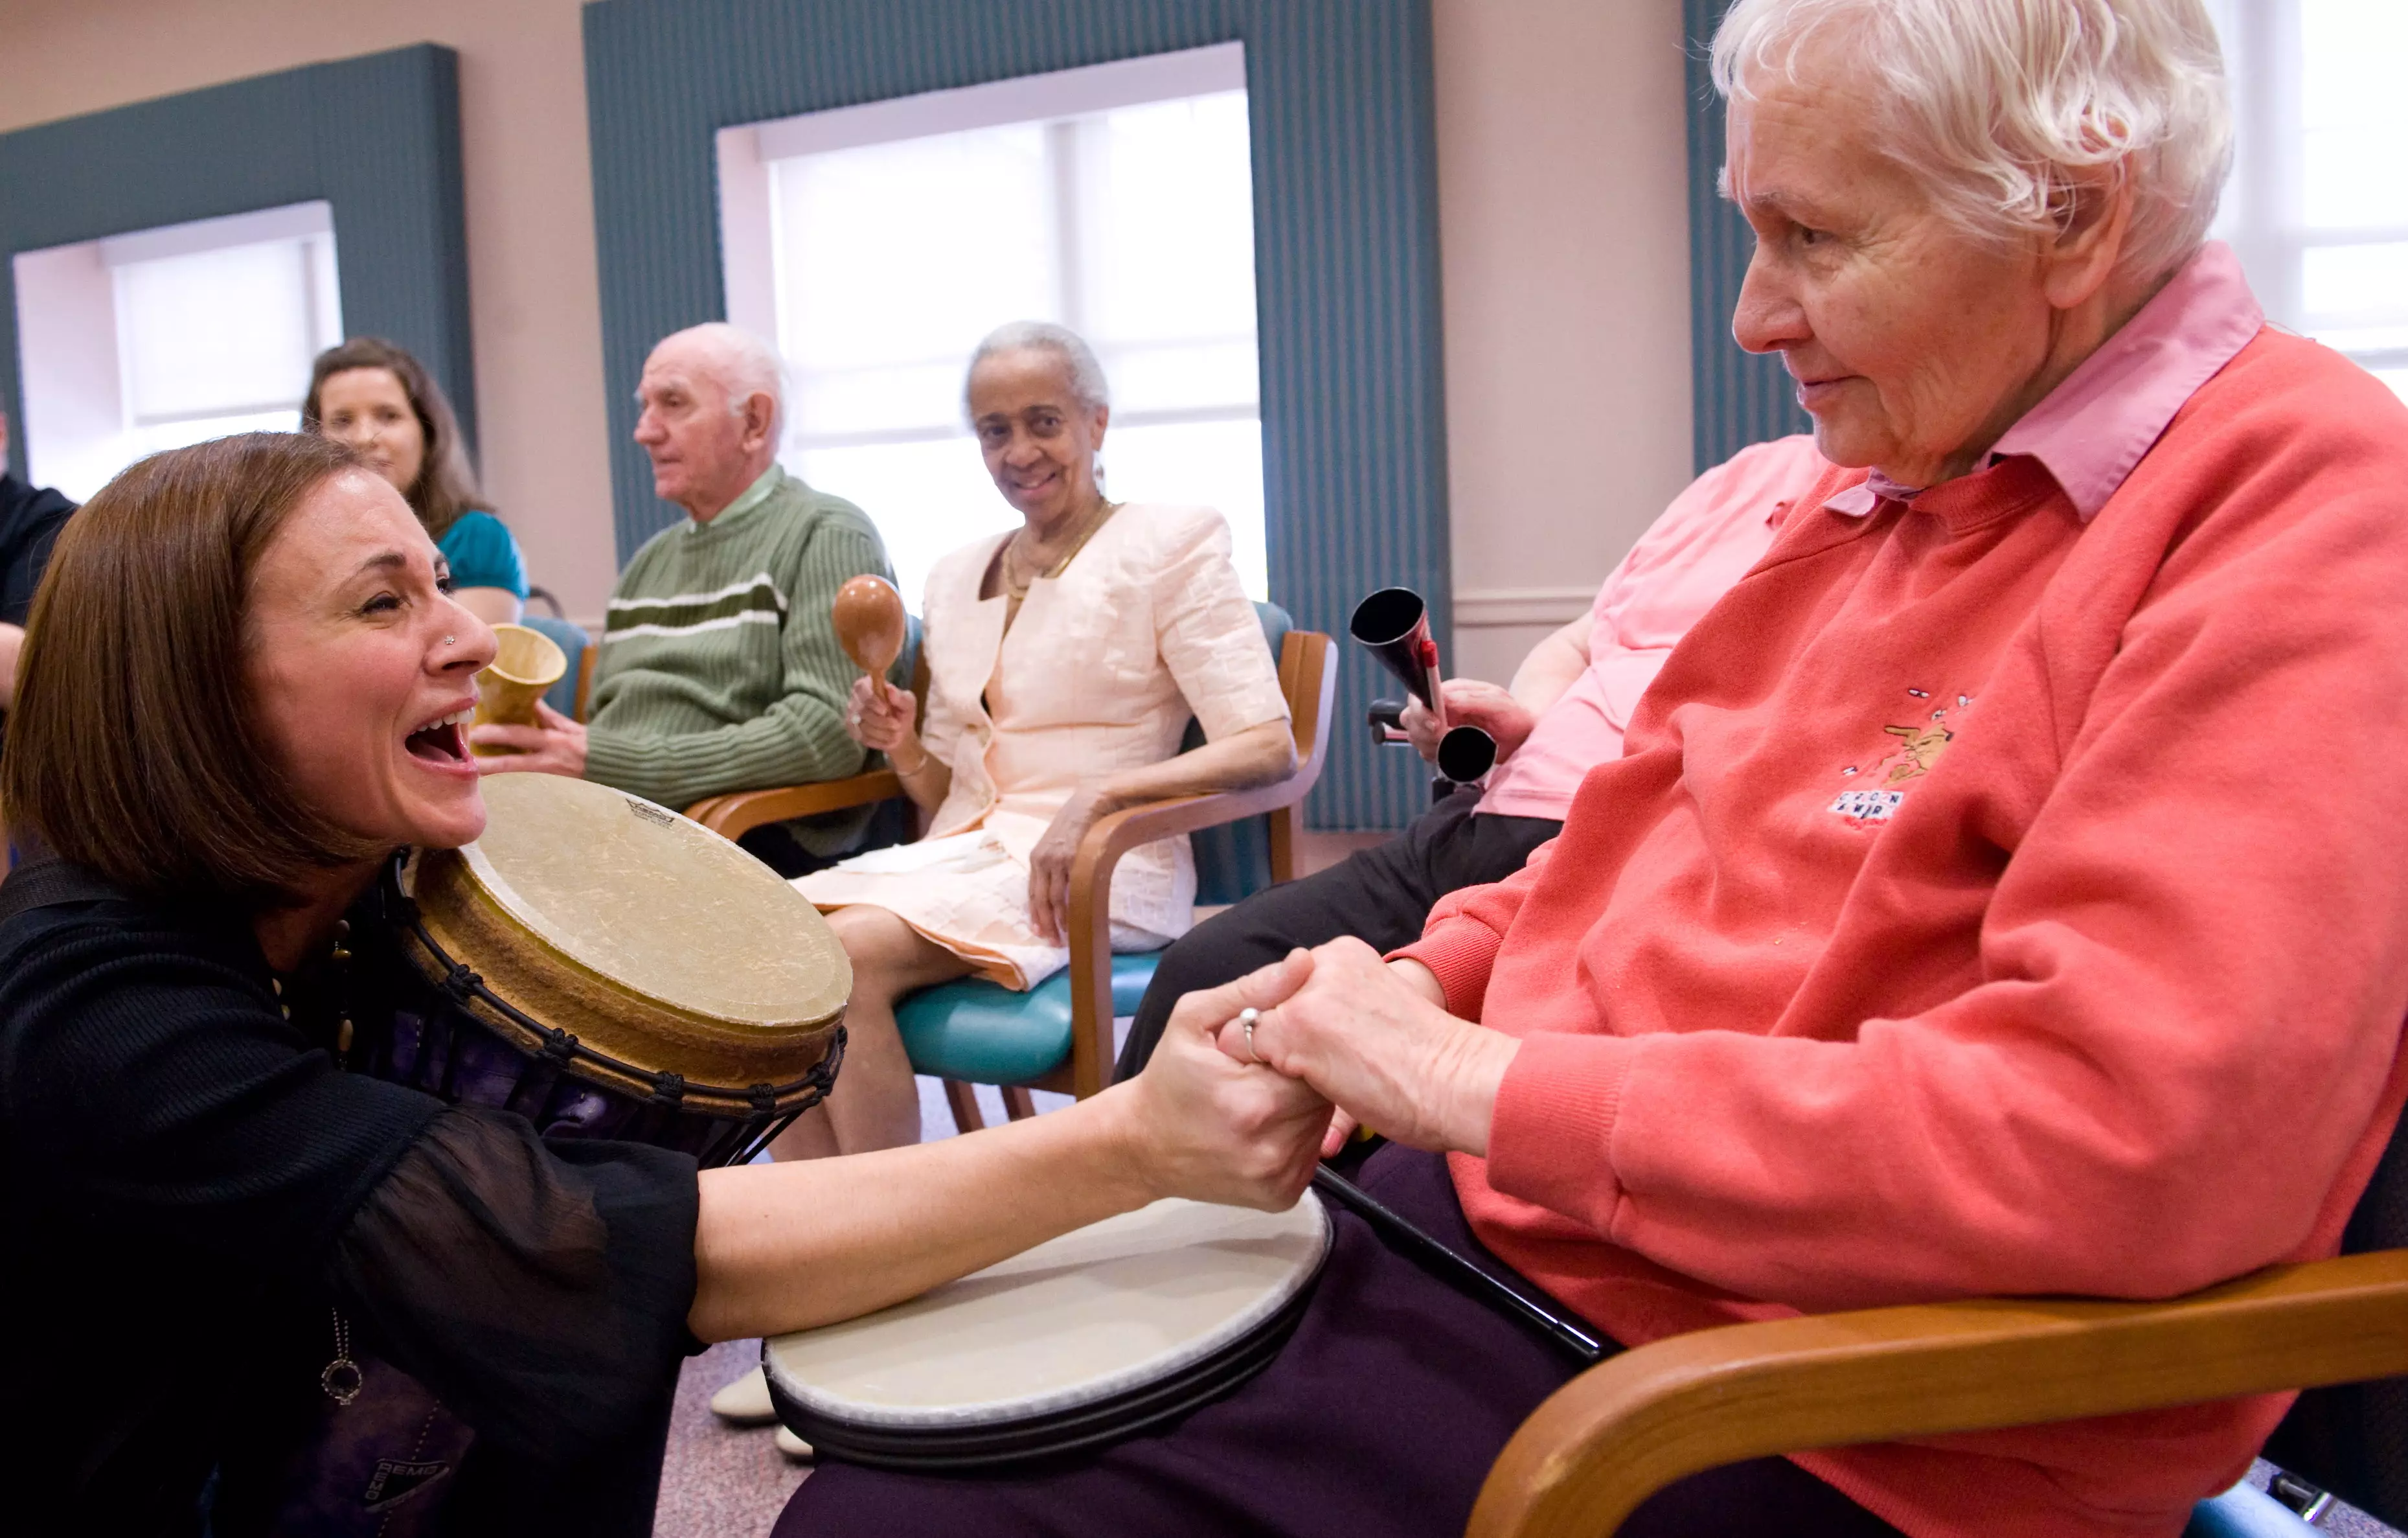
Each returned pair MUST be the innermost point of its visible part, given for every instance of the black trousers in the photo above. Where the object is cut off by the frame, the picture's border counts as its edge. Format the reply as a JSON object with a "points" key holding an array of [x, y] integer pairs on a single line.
{"points": [[1379, 1416], [1381, 895]]}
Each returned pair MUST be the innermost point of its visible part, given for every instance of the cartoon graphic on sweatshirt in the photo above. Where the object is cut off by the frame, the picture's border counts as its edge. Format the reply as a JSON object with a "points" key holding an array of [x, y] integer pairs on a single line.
{"points": [[1917, 751]]}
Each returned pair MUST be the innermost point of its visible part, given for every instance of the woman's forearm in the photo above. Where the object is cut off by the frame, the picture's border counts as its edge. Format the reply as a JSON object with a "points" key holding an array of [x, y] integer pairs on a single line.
{"points": [[1553, 665], [1259, 756], [928, 779], [493, 604], [787, 1247]]}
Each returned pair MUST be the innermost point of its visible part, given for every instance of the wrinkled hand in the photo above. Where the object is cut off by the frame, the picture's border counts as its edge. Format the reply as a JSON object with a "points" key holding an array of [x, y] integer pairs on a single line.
{"points": [[878, 715], [1050, 862], [1471, 703], [1368, 1036], [555, 745], [1214, 1129]]}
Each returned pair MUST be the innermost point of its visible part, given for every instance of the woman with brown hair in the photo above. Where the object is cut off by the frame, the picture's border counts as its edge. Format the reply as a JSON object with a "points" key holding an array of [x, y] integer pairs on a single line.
{"points": [[381, 400], [245, 689]]}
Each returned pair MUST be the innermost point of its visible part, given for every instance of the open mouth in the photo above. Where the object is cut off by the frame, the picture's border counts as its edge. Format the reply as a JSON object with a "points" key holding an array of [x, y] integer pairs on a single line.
{"points": [[443, 740]]}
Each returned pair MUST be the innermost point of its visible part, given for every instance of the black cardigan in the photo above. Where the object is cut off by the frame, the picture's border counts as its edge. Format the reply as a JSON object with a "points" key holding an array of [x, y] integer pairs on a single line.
{"points": [[190, 1185]]}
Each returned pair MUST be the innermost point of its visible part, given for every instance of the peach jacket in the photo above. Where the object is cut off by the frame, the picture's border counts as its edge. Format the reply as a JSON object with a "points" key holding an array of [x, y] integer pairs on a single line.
{"points": [[1100, 672]]}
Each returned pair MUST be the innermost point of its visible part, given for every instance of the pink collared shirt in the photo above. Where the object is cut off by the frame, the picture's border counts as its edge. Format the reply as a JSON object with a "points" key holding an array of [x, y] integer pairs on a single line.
{"points": [[1706, 540], [2092, 429]]}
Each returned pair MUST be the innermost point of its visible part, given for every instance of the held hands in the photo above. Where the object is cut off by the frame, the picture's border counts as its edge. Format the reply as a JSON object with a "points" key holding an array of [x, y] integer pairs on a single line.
{"points": [[1373, 1037], [1211, 1129], [555, 745], [1471, 703], [880, 716]]}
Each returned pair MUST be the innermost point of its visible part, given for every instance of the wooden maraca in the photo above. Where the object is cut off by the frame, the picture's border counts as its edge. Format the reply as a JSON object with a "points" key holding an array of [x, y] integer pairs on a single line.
{"points": [[870, 623]]}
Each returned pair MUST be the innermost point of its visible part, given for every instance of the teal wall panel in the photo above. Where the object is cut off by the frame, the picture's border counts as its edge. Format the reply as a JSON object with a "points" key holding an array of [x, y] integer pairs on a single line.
{"points": [[1346, 241], [377, 136], [1740, 399]]}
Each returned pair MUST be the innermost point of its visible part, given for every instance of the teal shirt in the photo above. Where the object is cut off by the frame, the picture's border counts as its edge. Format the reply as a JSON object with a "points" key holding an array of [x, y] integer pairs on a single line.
{"points": [[483, 555]]}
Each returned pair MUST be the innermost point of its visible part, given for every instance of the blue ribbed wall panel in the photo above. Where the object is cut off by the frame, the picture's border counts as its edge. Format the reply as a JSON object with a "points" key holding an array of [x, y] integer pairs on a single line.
{"points": [[378, 138], [1346, 241], [1739, 397]]}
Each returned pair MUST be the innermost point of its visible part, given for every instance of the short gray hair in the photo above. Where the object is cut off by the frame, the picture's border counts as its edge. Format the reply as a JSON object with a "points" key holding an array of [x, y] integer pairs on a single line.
{"points": [[2000, 105], [745, 366], [1087, 383]]}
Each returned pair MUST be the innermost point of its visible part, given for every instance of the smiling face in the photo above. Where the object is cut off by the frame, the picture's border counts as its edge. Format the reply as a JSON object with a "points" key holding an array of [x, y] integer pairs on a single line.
{"points": [[1039, 441], [1914, 344], [369, 409], [360, 696]]}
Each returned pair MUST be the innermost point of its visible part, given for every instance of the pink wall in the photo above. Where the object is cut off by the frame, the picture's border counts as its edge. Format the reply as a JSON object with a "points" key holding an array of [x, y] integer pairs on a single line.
{"points": [[1564, 230], [1560, 154]]}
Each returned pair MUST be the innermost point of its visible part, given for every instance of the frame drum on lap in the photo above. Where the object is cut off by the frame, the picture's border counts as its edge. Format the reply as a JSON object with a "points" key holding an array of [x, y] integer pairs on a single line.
{"points": [[618, 971], [1082, 1340]]}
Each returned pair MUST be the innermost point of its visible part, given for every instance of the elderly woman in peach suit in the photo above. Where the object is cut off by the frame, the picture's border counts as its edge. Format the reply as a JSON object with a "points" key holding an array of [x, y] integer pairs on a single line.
{"points": [[1064, 660]]}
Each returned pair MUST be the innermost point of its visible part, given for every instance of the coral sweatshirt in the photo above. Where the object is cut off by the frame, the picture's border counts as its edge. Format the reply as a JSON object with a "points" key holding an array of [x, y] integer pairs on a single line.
{"points": [[1989, 900]]}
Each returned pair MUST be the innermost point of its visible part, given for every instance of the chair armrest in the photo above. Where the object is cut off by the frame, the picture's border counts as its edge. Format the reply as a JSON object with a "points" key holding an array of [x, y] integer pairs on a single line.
{"points": [[1307, 668], [1630, 1425], [733, 815]]}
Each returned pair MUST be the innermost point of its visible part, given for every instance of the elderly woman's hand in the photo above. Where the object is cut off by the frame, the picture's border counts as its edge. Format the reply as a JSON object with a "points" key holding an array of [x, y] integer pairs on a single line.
{"points": [[1471, 703], [1373, 1037], [878, 715], [1214, 1129], [1056, 852], [555, 745]]}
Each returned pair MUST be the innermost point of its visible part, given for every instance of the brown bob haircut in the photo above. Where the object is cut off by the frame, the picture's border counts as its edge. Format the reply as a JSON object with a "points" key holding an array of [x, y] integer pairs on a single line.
{"points": [[446, 486], [129, 751]]}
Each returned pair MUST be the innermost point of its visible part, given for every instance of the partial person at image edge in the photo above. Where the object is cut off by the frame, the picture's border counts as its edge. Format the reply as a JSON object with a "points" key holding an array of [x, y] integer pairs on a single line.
{"points": [[30, 520]]}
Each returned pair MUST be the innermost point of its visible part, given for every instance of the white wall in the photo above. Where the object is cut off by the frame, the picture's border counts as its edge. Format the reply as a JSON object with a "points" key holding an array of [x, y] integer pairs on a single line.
{"points": [[1561, 148]]}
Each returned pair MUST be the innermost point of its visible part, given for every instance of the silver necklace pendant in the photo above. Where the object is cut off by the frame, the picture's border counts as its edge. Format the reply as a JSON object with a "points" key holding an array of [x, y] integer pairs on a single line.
{"points": [[342, 1379]]}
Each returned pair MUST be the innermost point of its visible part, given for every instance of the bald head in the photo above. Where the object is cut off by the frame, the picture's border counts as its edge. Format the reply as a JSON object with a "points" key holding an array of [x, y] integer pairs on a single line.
{"points": [[713, 405]]}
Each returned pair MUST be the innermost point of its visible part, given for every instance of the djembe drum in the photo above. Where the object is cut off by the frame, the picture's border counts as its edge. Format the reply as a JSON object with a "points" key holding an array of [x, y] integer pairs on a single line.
{"points": [[606, 968], [1082, 1340]]}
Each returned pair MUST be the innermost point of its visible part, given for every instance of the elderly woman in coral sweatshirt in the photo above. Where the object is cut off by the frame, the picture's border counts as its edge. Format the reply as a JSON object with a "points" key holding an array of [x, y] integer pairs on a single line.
{"points": [[1999, 890]]}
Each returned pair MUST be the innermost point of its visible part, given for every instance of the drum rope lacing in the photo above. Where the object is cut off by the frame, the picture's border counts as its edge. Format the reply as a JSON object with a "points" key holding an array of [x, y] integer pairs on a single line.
{"points": [[463, 984]]}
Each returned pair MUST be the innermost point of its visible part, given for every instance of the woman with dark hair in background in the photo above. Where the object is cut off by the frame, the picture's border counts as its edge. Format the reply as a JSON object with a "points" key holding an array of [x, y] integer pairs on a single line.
{"points": [[382, 401]]}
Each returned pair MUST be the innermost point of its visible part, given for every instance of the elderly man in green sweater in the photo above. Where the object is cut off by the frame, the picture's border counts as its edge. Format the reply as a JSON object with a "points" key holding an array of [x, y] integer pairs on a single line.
{"points": [[719, 669]]}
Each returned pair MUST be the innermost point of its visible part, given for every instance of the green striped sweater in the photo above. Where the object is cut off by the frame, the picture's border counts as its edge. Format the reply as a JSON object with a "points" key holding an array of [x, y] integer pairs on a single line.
{"points": [[719, 669]]}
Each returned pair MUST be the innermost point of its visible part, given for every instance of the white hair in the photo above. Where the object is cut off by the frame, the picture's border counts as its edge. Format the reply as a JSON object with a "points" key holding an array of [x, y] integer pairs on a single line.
{"points": [[1087, 383], [2001, 106], [744, 365]]}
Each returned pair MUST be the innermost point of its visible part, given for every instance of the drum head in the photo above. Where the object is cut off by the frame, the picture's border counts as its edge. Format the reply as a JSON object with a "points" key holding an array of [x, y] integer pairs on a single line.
{"points": [[650, 937], [1081, 1340]]}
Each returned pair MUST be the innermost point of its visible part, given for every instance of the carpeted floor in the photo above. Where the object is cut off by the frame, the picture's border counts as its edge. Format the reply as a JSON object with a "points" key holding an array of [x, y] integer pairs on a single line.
{"points": [[718, 1482], [723, 1483]]}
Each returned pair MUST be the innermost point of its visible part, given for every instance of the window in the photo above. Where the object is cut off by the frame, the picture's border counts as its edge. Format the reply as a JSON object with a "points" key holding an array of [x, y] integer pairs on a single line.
{"points": [[2318, 206], [167, 337], [877, 244]]}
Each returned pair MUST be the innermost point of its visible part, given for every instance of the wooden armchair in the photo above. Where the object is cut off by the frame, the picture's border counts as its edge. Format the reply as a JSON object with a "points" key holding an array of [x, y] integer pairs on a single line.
{"points": [[1631, 1425], [971, 1031]]}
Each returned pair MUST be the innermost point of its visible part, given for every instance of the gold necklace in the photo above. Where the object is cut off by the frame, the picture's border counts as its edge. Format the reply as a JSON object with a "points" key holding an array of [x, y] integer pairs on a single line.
{"points": [[1017, 588]]}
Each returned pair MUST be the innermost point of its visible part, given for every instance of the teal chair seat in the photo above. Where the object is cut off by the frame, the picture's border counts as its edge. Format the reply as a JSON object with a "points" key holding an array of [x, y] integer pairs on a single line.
{"points": [[977, 1032], [2245, 1512], [973, 1032]]}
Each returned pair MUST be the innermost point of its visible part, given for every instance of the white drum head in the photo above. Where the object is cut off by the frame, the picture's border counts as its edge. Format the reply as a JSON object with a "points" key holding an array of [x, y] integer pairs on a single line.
{"points": [[1100, 1314]]}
